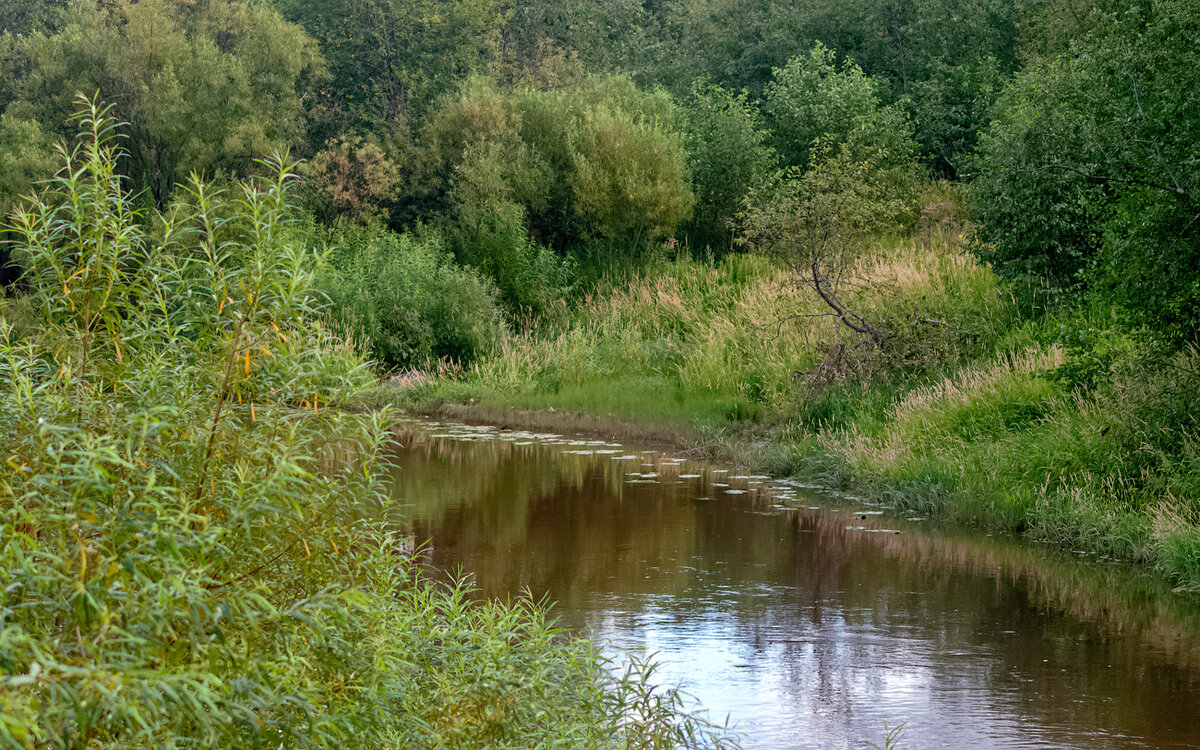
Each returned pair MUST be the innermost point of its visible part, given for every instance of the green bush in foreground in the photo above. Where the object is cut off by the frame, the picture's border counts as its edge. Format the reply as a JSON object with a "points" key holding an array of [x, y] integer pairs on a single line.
{"points": [[183, 551]]}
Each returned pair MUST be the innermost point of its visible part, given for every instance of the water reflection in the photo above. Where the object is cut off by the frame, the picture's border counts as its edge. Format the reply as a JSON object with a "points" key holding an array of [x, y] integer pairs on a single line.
{"points": [[810, 622]]}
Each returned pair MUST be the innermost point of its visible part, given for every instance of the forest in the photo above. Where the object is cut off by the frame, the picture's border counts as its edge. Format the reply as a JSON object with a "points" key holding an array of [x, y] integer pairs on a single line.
{"points": [[947, 253]]}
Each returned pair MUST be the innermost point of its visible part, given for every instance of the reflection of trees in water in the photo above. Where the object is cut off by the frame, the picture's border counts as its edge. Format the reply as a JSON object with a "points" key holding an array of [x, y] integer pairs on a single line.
{"points": [[496, 495], [840, 614], [530, 515]]}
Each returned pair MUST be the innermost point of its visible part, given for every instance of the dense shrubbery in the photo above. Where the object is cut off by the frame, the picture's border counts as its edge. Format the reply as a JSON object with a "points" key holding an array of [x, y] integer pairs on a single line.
{"points": [[188, 556], [600, 162], [725, 140], [403, 294], [1087, 179]]}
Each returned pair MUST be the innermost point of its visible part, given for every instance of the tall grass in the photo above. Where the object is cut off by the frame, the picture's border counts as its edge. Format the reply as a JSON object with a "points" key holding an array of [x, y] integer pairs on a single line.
{"points": [[185, 554], [726, 340]]}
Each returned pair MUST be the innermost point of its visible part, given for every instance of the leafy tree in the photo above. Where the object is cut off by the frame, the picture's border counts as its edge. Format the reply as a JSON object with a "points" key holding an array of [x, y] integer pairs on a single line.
{"points": [[22, 17], [727, 156], [491, 190], [606, 36], [815, 100], [1037, 224], [1102, 147], [202, 86], [391, 59]]}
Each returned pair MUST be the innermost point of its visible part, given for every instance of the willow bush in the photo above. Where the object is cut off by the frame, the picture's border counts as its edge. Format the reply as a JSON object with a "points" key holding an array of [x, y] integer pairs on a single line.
{"points": [[185, 554]]}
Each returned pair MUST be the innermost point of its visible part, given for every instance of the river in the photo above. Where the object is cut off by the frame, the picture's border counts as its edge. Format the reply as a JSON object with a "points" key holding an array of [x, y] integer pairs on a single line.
{"points": [[807, 618]]}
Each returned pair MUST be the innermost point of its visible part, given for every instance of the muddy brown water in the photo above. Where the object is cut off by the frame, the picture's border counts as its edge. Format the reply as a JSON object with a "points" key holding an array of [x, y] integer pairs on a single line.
{"points": [[809, 619]]}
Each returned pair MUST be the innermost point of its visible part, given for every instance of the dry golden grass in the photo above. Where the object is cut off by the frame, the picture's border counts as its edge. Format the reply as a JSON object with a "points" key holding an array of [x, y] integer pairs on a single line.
{"points": [[969, 385]]}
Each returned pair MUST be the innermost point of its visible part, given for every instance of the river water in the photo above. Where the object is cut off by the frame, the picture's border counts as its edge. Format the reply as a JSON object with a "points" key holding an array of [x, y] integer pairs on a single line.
{"points": [[808, 619]]}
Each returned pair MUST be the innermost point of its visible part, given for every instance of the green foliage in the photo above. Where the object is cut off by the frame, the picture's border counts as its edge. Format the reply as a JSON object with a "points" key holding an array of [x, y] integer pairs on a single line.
{"points": [[150, 523], [814, 99], [390, 60], [949, 108], [817, 108], [203, 87], [489, 232], [942, 61], [403, 294], [187, 540], [605, 36], [26, 156], [1095, 355], [22, 17], [629, 179], [599, 162], [822, 217], [1087, 175], [727, 157], [1036, 224]]}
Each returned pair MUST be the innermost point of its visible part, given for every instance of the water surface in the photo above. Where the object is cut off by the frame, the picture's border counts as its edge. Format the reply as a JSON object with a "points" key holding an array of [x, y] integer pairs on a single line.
{"points": [[808, 619]]}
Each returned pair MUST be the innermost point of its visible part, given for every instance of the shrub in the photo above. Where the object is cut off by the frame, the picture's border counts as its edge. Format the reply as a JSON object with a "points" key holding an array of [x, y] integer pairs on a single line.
{"points": [[489, 233], [727, 156], [407, 298], [629, 179], [351, 178], [600, 161]]}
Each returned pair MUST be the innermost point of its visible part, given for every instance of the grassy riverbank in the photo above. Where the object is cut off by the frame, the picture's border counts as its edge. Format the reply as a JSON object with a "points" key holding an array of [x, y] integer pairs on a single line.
{"points": [[1063, 427]]}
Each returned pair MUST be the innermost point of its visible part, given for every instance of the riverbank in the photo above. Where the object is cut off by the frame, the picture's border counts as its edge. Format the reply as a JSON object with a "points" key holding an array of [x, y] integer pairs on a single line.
{"points": [[1065, 430]]}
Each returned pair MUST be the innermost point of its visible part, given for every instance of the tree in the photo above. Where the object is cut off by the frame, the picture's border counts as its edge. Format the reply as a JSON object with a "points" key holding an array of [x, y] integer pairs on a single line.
{"points": [[1089, 178], [814, 100], [727, 157], [817, 222], [201, 86], [391, 59]]}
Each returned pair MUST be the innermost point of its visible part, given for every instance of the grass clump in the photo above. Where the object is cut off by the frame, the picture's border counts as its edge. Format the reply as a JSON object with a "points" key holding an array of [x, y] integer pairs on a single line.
{"points": [[187, 551]]}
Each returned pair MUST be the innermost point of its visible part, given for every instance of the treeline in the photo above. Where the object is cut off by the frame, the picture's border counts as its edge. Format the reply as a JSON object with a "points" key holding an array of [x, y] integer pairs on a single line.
{"points": [[540, 144]]}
